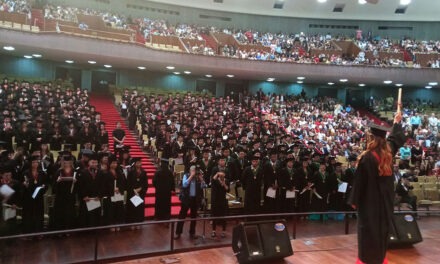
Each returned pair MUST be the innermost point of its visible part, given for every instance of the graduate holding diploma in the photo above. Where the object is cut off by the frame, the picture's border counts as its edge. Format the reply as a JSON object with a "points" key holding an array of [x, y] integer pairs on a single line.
{"points": [[64, 190], [9, 195], [34, 187], [137, 186]]}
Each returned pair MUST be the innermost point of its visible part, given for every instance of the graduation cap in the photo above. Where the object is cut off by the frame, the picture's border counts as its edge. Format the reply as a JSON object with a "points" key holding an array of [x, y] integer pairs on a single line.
{"points": [[93, 156], [111, 158], [67, 157], [352, 157], [219, 157], [256, 156], [225, 148], [316, 154], [103, 154], [304, 158], [136, 159], [273, 152], [88, 153], [6, 168], [290, 159], [125, 149], [35, 158], [378, 130]]}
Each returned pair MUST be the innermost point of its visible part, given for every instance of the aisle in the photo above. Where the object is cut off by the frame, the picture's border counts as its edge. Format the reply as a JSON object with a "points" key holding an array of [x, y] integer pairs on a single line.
{"points": [[110, 116]]}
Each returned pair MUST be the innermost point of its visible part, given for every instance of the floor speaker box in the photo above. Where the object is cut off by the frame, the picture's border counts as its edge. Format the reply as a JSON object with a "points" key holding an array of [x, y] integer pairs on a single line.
{"points": [[261, 241], [406, 231]]}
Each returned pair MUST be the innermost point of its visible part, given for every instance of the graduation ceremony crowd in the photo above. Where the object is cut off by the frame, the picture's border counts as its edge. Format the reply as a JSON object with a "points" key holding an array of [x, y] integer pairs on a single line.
{"points": [[274, 153], [289, 153], [79, 171]]}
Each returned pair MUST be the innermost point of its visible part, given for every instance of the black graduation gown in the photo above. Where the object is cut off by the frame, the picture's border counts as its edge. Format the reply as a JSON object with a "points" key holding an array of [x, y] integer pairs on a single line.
{"points": [[113, 211], [206, 168], [336, 199], [163, 181], [348, 177], [373, 195], [252, 185], [134, 181], [10, 227], [288, 181], [23, 139], [91, 186], [219, 203], [304, 198], [33, 209], [321, 187], [64, 206], [100, 139], [270, 178], [38, 136]]}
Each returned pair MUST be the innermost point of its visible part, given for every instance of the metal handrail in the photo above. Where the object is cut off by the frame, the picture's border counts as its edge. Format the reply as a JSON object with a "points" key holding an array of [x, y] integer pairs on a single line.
{"points": [[174, 221]]}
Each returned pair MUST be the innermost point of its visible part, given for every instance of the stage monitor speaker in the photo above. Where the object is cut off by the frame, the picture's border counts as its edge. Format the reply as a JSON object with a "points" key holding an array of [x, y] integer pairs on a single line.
{"points": [[406, 231], [261, 241]]}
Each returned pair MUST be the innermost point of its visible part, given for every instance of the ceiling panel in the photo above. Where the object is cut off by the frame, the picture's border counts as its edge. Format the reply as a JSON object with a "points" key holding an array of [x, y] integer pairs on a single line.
{"points": [[418, 10]]}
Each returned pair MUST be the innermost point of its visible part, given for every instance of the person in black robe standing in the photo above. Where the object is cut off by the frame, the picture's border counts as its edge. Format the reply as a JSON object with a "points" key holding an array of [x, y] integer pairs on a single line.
{"points": [[65, 191], [118, 135], [320, 190], [271, 170], [288, 181], [132, 116], [348, 177], [252, 180], [163, 181], [373, 191], [113, 196], [33, 203], [137, 184], [9, 226], [90, 187], [219, 203]]}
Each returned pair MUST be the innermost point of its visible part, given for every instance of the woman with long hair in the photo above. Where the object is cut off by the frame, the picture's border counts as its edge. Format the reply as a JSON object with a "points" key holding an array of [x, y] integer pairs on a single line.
{"points": [[33, 201], [373, 191]]}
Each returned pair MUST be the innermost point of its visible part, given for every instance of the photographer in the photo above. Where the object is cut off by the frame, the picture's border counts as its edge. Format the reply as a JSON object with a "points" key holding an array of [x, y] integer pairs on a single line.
{"points": [[402, 190], [191, 195]]}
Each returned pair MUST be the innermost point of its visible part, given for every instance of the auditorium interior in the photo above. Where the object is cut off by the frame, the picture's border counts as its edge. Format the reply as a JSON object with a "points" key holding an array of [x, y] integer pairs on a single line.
{"points": [[208, 131]]}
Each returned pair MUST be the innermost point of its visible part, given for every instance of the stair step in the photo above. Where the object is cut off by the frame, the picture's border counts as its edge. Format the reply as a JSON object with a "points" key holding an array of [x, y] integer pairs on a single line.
{"points": [[149, 212], [111, 117]]}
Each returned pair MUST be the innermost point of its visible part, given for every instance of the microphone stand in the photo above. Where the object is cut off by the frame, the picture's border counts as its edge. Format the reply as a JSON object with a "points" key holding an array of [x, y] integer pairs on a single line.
{"points": [[202, 239]]}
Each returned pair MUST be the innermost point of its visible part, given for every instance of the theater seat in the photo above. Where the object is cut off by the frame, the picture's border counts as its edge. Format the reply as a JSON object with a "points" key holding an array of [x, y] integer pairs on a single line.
{"points": [[35, 29]]}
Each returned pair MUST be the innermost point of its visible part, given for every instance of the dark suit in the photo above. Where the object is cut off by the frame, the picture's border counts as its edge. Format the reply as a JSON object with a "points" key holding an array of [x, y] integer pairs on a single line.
{"points": [[402, 191]]}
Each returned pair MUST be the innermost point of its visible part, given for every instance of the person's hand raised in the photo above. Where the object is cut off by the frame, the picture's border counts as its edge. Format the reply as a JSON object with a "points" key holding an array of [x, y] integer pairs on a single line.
{"points": [[398, 117]]}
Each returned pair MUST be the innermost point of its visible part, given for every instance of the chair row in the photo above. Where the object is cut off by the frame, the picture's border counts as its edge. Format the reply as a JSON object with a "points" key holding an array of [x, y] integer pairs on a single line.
{"points": [[19, 26]]}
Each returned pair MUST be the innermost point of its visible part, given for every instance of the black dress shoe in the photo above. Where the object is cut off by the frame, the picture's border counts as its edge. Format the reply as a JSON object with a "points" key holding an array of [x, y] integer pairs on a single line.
{"points": [[177, 237]]}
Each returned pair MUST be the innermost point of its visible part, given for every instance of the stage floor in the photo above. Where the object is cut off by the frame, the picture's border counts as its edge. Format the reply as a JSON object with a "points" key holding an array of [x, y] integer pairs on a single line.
{"points": [[340, 249], [315, 242]]}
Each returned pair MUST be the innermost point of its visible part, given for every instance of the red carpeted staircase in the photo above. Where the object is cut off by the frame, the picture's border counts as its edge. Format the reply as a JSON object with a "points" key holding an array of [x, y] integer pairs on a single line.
{"points": [[407, 56], [110, 116], [210, 42], [37, 18]]}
